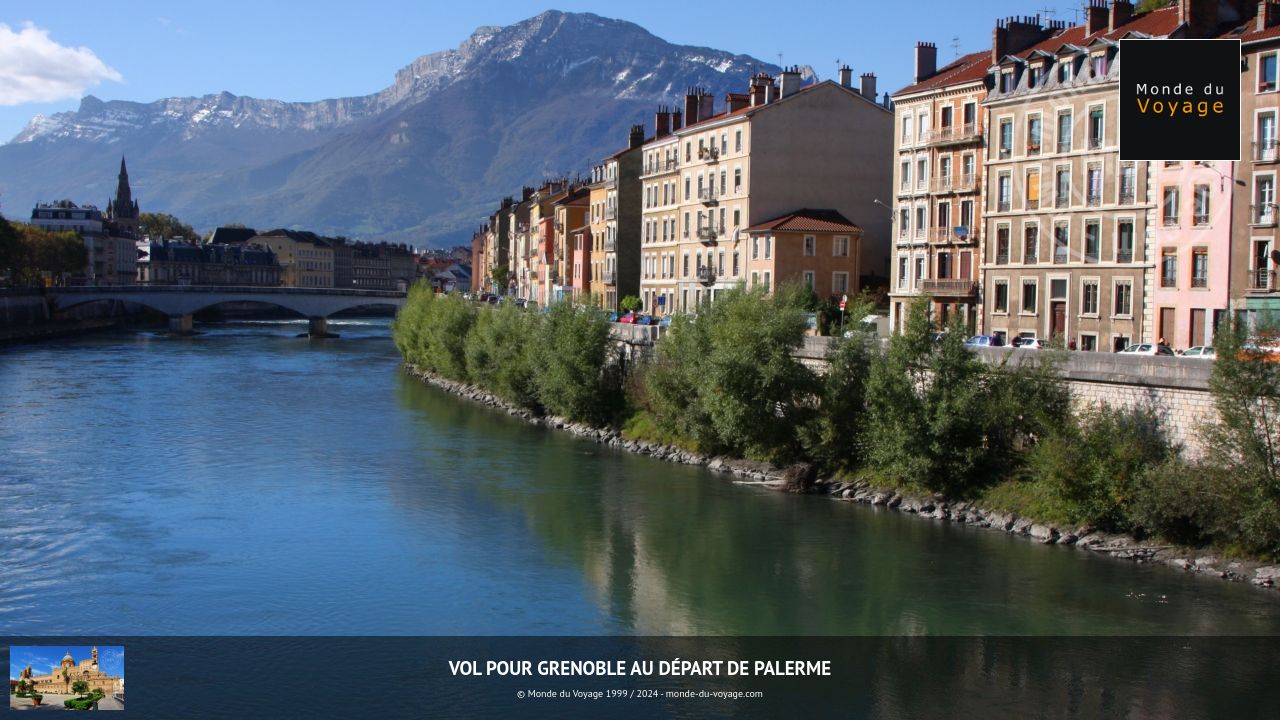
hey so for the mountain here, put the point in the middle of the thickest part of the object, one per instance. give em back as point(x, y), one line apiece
point(421, 161)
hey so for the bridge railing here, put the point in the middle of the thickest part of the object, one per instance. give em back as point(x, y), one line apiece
point(237, 289)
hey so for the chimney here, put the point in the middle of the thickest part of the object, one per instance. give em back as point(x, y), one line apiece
point(1095, 16)
point(677, 121)
point(790, 81)
point(868, 88)
point(846, 76)
point(636, 139)
point(1015, 34)
point(691, 106)
point(1200, 17)
point(926, 60)
point(526, 193)
point(1121, 11)
point(662, 122)
point(706, 104)
point(759, 82)
point(770, 92)
point(1268, 14)
point(735, 101)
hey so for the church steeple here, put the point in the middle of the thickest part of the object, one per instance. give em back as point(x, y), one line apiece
point(123, 209)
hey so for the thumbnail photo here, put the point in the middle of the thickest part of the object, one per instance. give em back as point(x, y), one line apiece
point(85, 678)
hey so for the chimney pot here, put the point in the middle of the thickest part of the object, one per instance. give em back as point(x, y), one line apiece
point(1096, 16)
point(926, 60)
point(790, 81)
point(868, 86)
point(846, 76)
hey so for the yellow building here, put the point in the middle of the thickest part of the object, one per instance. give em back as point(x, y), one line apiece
point(62, 678)
point(305, 259)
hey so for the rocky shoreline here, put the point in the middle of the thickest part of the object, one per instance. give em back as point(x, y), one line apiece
point(801, 478)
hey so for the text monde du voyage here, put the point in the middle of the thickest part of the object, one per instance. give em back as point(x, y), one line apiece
point(1179, 99)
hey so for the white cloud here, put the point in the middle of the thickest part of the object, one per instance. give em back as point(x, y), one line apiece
point(34, 68)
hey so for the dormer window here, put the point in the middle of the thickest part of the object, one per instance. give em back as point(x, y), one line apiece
point(1099, 62)
point(1064, 70)
point(1034, 73)
point(1006, 81)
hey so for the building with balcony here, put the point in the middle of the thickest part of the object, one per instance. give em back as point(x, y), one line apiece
point(306, 260)
point(570, 210)
point(1255, 251)
point(1066, 238)
point(778, 147)
point(659, 181)
point(937, 179)
point(179, 262)
point(819, 248)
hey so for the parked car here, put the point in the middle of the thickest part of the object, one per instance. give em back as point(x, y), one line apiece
point(645, 320)
point(1205, 352)
point(1028, 343)
point(494, 299)
point(984, 341)
point(664, 321)
point(1148, 349)
point(614, 317)
point(628, 319)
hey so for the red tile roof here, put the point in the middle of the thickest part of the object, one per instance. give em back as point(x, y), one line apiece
point(807, 220)
point(966, 69)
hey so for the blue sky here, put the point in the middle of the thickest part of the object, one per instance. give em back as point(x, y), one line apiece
point(42, 658)
point(52, 53)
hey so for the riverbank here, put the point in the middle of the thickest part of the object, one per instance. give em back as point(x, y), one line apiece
point(1189, 560)
point(55, 329)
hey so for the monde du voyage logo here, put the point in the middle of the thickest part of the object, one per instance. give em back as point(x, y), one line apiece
point(1180, 100)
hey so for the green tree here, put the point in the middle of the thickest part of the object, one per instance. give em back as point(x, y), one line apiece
point(80, 687)
point(446, 322)
point(1149, 5)
point(499, 351)
point(927, 401)
point(163, 225)
point(630, 303)
point(729, 379)
point(836, 437)
point(569, 364)
point(501, 276)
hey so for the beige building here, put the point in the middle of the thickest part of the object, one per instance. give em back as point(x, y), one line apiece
point(593, 274)
point(768, 152)
point(305, 259)
point(61, 679)
point(937, 179)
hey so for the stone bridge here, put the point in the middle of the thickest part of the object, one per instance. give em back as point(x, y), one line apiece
point(180, 302)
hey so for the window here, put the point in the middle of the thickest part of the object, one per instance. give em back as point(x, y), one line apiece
point(970, 116)
point(902, 272)
point(810, 245)
point(944, 170)
point(1168, 268)
point(766, 281)
point(1092, 240)
point(1002, 296)
point(737, 141)
point(1170, 206)
point(1002, 245)
point(768, 247)
point(840, 246)
point(1033, 135)
point(1099, 63)
point(1093, 185)
point(1202, 205)
point(1032, 200)
point(905, 182)
point(686, 264)
point(1265, 200)
point(1200, 268)
point(922, 173)
point(1006, 81)
point(944, 217)
point(1033, 75)
point(944, 266)
point(1088, 342)
point(737, 217)
point(1124, 298)
point(1031, 244)
point(1029, 290)
point(1089, 297)
point(839, 283)
point(1062, 193)
point(1064, 132)
point(737, 180)
point(755, 248)
point(1004, 190)
point(1128, 183)
point(1064, 71)
point(904, 222)
point(1265, 138)
point(1267, 72)
point(966, 215)
point(919, 269)
point(922, 221)
point(686, 187)
point(1096, 132)
point(1061, 243)
point(1124, 241)
point(735, 263)
point(808, 279)
point(1006, 138)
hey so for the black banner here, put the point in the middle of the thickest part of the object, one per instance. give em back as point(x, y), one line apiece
point(658, 677)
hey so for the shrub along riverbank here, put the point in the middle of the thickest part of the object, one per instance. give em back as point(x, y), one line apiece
point(921, 416)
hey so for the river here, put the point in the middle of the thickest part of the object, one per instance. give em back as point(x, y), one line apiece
point(249, 482)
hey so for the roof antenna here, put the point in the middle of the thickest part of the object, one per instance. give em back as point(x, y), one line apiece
point(955, 45)
point(780, 59)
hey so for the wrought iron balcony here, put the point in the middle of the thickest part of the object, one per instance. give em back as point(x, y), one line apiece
point(609, 277)
point(952, 135)
point(1265, 152)
point(1263, 214)
point(1261, 279)
point(709, 233)
point(610, 212)
point(706, 274)
point(710, 153)
point(1126, 196)
point(610, 244)
point(708, 196)
point(1124, 255)
point(953, 288)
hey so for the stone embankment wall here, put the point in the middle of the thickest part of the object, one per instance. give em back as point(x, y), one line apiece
point(1176, 388)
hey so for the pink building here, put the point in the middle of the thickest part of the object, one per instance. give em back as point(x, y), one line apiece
point(581, 267)
point(1191, 250)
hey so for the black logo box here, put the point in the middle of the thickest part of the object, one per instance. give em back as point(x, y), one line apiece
point(1190, 65)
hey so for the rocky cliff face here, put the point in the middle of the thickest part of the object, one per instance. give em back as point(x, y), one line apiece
point(419, 161)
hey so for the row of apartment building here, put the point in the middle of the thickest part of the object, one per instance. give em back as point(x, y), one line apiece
point(780, 183)
point(1015, 212)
